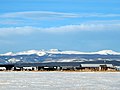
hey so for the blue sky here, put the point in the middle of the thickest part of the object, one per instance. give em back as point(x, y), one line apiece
point(83, 25)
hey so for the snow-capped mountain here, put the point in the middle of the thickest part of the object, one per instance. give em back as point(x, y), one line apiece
point(56, 51)
point(30, 52)
point(55, 55)
point(106, 52)
point(7, 54)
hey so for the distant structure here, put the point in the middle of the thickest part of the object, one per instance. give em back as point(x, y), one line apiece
point(57, 66)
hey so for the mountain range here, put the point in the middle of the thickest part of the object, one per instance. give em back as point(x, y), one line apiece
point(57, 51)
point(55, 55)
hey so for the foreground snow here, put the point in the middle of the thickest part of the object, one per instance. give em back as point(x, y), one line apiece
point(59, 80)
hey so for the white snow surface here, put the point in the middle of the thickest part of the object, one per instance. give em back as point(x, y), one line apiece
point(39, 53)
point(105, 52)
point(7, 54)
point(60, 80)
point(56, 51)
point(13, 60)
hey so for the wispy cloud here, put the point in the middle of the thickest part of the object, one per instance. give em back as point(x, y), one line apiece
point(16, 30)
point(52, 15)
point(83, 27)
point(10, 22)
point(34, 17)
point(99, 15)
point(38, 15)
point(61, 29)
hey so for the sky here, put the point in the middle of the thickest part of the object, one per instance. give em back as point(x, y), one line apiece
point(82, 25)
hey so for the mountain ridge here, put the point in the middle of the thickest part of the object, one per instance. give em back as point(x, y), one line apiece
point(57, 51)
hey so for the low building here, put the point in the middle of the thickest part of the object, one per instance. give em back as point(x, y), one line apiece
point(29, 68)
point(96, 67)
point(6, 66)
point(67, 67)
point(2, 68)
point(117, 68)
point(17, 68)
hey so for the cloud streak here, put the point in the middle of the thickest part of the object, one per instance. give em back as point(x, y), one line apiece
point(52, 15)
point(38, 15)
point(61, 29)
point(34, 17)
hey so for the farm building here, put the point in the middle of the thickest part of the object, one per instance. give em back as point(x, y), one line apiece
point(117, 68)
point(97, 67)
point(6, 66)
point(52, 66)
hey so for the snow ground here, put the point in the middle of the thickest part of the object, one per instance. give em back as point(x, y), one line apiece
point(59, 80)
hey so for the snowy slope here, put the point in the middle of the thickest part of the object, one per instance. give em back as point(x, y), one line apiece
point(56, 51)
point(106, 52)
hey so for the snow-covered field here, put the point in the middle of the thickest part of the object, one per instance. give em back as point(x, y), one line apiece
point(59, 80)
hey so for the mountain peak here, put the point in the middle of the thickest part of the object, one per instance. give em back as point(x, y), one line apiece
point(7, 54)
point(27, 52)
point(54, 50)
point(106, 52)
